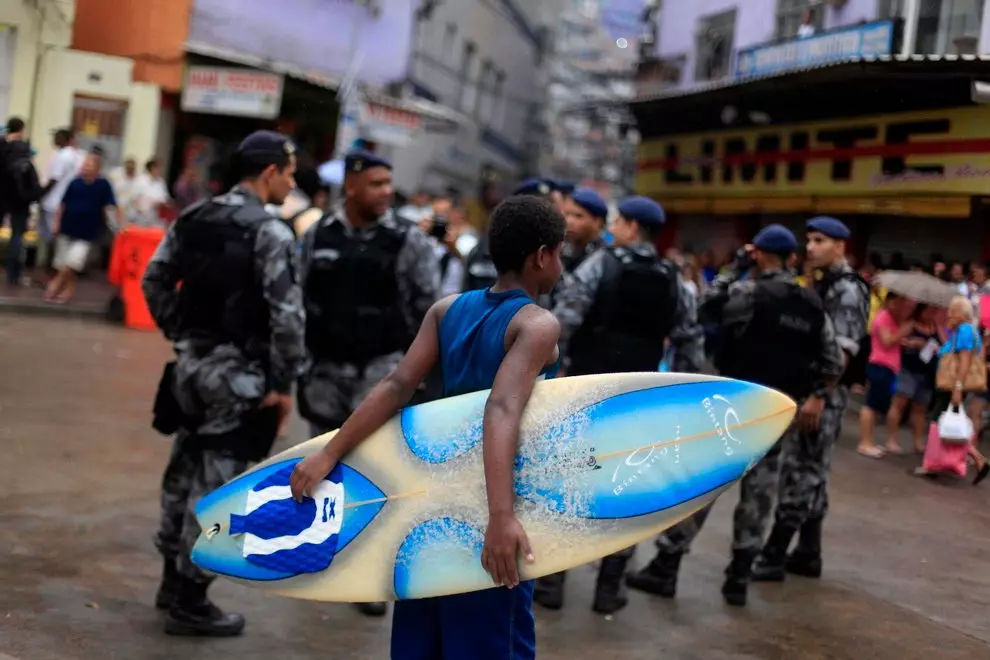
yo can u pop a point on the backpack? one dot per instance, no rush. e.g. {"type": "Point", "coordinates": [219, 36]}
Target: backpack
{"type": "Point", "coordinates": [26, 186]}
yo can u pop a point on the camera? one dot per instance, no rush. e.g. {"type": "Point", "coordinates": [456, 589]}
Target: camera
{"type": "Point", "coordinates": [438, 229]}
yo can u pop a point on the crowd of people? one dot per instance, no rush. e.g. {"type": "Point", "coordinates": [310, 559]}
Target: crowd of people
{"type": "Point", "coordinates": [73, 205]}
{"type": "Point", "coordinates": [342, 307]}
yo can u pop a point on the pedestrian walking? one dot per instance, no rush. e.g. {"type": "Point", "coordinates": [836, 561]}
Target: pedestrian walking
{"type": "Point", "coordinates": [368, 280]}
{"type": "Point", "coordinates": [616, 312]}
{"type": "Point", "coordinates": [773, 332]}
{"type": "Point", "coordinates": [807, 448]}
{"type": "Point", "coordinates": [19, 189]}
{"type": "Point", "coordinates": [237, 323]}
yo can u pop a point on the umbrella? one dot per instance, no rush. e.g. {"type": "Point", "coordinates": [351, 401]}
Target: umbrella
{"type": "Point", "coordinates": [921, 287]}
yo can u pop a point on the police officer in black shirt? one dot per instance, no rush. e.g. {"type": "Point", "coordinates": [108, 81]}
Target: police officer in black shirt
{"type": "Point", "coordinates": [775, 333]}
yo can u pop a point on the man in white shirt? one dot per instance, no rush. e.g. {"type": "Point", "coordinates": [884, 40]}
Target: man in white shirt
{"type": "Point", "coordinates": [124, 180]}
{"type": "Point", "coordinates": [150, 193]}
{"type": "Point", "coordinates": [63, 167]}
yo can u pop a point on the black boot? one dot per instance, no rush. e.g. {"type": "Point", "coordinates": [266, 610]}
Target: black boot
{"type": "Point", "coordinates": [610, 593]}
{"type": "Point", "coordinates": [806, 560]}
{"type": "Point", "coordinates": [169, 587]}
{"type": "Point", "coordinates": [769, 566]}
{"type": "Point", "coordinates": [659, 577]}
{"type": "Point", "coordinates": [192, 613]}
{"type": "Point", "coordinates": [372, 609]}
{"type": "Point", "coordinates": [737, 576]}
{"type": "Point", "coordinates": [549, 591]}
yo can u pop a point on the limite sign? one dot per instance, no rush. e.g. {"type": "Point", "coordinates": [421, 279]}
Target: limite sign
{"type": "Point", "coordinates": [233, 92]}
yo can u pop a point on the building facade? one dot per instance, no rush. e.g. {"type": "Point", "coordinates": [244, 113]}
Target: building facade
{"type": "Point", "coordinates": [762, 111]}
{"type": "Point", "coordinates": [484, 60]}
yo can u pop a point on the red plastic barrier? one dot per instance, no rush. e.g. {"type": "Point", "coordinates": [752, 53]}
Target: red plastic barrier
{"type": "Point", "coordinates": [132, 249]}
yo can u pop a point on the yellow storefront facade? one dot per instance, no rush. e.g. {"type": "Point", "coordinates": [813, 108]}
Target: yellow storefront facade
{"type": "Point", "coordinates": [910, 182]}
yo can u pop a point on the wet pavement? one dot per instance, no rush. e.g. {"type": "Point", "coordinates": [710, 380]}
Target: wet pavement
{"type": "Point", "coordinates": [907, 564]}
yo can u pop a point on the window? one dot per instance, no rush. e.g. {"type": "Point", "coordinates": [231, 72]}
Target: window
{"type": "Point", "coordinates": [468, 89]}
{"type": "Point", "coordinates": [714, 45]}
{"type": "Point", "coordinates": [483, 102]}
{"type": "Point", "coordinates": [791, 15]}
{"type": "Point", "coordinates": [890, 9]}
{"type": "Point", "coordinates": [497, 118]}
{"type": "Point", "coordinates": [949, 27]}
{"type": "Point", "coordinates": [449, 36]}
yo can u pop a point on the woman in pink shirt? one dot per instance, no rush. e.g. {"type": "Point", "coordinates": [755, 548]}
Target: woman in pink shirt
{"type": "Point", "coordinates": [890, 328]}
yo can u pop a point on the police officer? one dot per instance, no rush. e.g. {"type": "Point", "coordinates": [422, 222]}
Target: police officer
{"type": "Point", "coordinates": [775, 333]}
{"type": "Point", "coordinates": [807, 447]}
{"type": "Point", "coordinates": [479, 271]}
{"type": "Point", "coordinates": [615, 313]}
{"type": "Point", "coordinates": [237, 322]}
{"type": "Point", "coordinates": [368, 280]}
{"type": "Point", "coordinates": [586, 213]}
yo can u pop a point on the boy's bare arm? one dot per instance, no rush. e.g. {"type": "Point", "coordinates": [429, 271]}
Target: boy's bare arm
{"type": "Point", "coordinates": [381, 404]}
{"type": "Point", "coordinates": [534, 341]}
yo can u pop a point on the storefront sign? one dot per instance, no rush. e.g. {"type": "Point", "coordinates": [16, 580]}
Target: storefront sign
{"type": "Point", "coordinates": [944, 151]}
{"type": "Point", "coordinates": [869, 40]}
{"type": "Point", "coordinates": [234, 92]}
{"type": "Point", "coordinates": [389, 125]}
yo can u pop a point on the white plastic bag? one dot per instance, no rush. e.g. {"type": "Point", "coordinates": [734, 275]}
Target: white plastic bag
{"type": "Point", "coordinates": [955, 426]}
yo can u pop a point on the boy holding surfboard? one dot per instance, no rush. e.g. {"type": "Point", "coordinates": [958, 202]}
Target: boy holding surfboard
{"type": "Point", "coordinates": [497, 339]}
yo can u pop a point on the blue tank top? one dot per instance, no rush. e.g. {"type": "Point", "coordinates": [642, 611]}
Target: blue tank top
{"type": "Point", "coordinates": [472, 339]}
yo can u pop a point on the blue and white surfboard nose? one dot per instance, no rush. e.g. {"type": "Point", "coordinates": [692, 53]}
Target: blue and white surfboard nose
{"type": "Point", "coordinates": [254, 530]}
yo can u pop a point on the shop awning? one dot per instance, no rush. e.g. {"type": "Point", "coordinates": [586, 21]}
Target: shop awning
{"type": "Point", "coordinates": [935, 206]}
{"type": "Point", "coordinates": [857, 86]}
{"type": "Point", "coordinates": [437, 118]}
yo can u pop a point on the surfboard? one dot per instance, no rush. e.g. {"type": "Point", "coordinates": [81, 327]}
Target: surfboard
{"type": "Point", "coordinates": [604, 462]}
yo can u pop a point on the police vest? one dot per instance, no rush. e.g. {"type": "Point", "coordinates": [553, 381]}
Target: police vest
{"type": "Point", "coordinates": [479, 271]}
{"type": "Point", "coordinates": [780, 346]}
{"type": "Point", "coordinates": [353, 308]}
{"type": "Point", "coordinates": [221, 298]}
{"type": "Point", "coordinates": [631, 316]}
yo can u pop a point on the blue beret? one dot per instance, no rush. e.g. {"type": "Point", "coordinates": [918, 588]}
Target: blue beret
{"type": "Point", "coordinates": [359, 160]}
{"type": "Point", "coordinates": [533, 186]}
{"type": "Point", "coordinates": [776, 239]}
{"type": "Point", "coordinates": [591, 202]}
{"type": "Point", "coordinates": [642, 210]}
{"type": "Point", "coordinates": [561, 186]}
{"type": "Point", "coordinates": [834, 229]}
{"type": "Point", "coordinates": [265, 146]}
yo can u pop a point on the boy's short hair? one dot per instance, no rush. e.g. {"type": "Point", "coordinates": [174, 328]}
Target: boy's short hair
{"type": "Point", "coordinates": [520, 226]}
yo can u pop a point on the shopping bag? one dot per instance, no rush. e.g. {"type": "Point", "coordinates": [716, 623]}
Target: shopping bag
{"type": "Point", "coordinates": [943, 456]}
{"type": "Point", "coordinates": [955, 426]}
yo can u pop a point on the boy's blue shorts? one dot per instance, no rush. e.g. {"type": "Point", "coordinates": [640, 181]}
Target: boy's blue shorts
{"type": "Point", "coordinates": [481, 625]}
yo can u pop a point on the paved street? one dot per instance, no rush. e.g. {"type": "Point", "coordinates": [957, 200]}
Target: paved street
{"type": "Point", "coordinates": [907, 572]}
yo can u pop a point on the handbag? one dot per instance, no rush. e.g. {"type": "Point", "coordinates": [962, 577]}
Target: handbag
{"type": "Point", "coordinates": [944, 456]}
{"type": "Point", "coordinates": [948, 367]}
{"type": "Point", "coordinates": [955, 426]}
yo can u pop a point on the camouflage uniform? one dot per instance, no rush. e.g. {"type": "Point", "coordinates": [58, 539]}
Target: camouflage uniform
{"type": "Point", "coordinates": [332, 390]}
{"type": "Point", "coordinates": [807, 457]}
{"type": "Point", "coordinates": [573, 303]}
{"type": "Point", "coordinates": [578, 294]}
{"type": "Point", "coordinates": [220, 385]}
{"type": "Point", "coordinates": [732, 302]}
{"type": "Point", "coordinates": [759, 484]}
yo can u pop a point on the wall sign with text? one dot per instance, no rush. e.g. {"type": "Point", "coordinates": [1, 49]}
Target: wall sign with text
{"type": "Point", "coordinates": [233, 92]}
{"type": "Point", "coordinates": [945, 151]}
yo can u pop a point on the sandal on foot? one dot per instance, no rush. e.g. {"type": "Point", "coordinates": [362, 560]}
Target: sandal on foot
{"type": "Point", "coordinates": [982, 473]}
{"type": "Point", "coordinates": [871, 452]}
